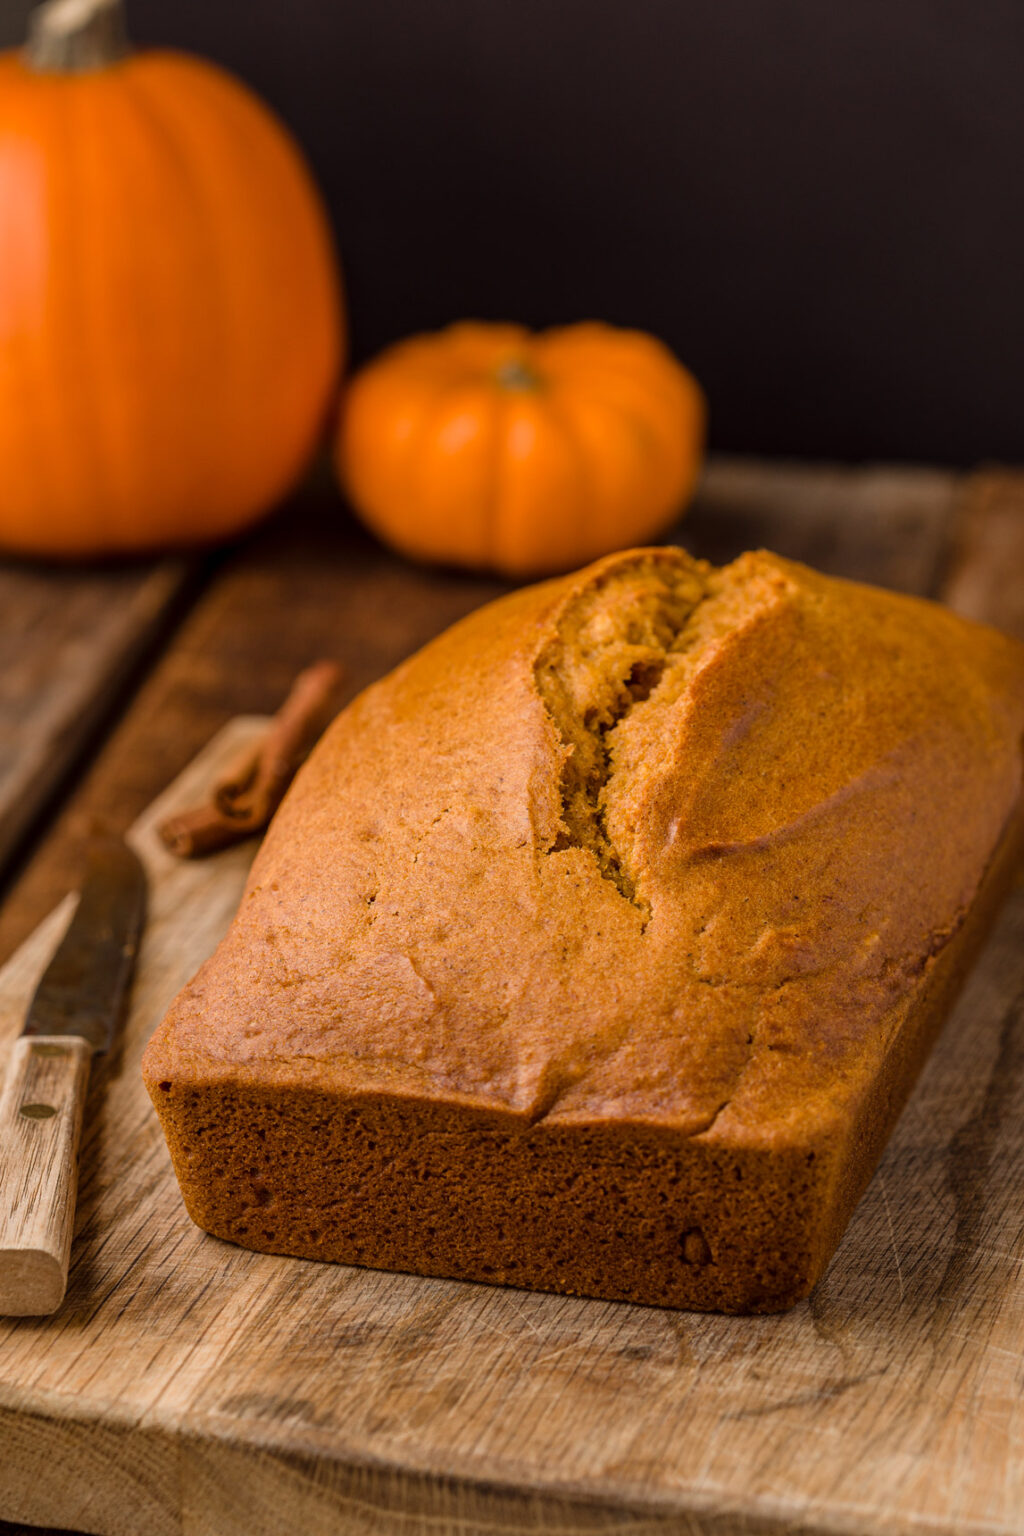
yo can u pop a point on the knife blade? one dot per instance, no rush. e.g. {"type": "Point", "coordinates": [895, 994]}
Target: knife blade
{"type": "Point", "coordinates": [75, 1012]}
{"type": "Point", "coordinates": [83, 989]}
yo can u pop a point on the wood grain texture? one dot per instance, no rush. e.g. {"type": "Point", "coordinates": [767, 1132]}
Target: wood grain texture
{"type": "Point", "coordinates": [40, 1125]}
{"type": "Point", "coordinates": [985, 571]}
{"type": "Point", "coordinates": [886, 524]}
{"type": "Point", "coordinates": [310, 583]}
{"type": "Point", "coordinates": [69, 641]}
{"type": "Point", "coordinates": [190, 1387]}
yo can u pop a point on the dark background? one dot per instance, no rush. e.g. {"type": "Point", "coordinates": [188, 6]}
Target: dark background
{"type": "Point", "coordinates": [820, 206]}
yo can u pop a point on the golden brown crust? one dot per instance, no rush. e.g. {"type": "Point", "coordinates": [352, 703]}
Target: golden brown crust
{"type": "Point", "coordinates": [655, 856]}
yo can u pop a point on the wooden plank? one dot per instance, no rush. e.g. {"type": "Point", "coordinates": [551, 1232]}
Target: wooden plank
{"type": "Point", "coordinates": [985, 574]}
{"type": "Point", "coordinates": [192, 1388]}
{"type": "Point", "coordinates": [310, 583]}
{"type": "Point", "coordinates": [70, 639]}
{"type": "Point", "coordinates": [887, 524]}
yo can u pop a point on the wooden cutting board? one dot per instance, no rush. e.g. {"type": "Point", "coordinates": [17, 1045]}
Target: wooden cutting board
{"type": "Point", "coordinates": [187, 1386]}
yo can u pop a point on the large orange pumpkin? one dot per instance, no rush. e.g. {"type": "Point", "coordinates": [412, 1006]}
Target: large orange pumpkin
{"type": "Point", "coordinates": [488, 446]}
{"type": "Point", "coordinates": [170, 312]}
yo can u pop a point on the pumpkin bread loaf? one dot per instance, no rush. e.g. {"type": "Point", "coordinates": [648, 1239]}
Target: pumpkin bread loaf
{"type": "Point", "coordinates": [597, 947]}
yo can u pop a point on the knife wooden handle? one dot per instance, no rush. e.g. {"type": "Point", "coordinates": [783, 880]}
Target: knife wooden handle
{"type": "Point", "coordinates": [40, 1127]}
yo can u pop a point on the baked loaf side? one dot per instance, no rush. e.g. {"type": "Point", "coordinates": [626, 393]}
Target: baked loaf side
{"type": "Point", "coordinates": [596, 948]}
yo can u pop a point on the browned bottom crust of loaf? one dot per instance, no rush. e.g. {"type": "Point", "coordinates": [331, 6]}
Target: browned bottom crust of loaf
{"type": "Point", "coordinates": [629, 1212]}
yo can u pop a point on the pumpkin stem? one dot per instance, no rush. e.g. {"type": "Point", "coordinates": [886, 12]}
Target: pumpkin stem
{"type": "Point", "coordinates": [513, 373]}
{"type": "Point", "coordinates": [76, 35]}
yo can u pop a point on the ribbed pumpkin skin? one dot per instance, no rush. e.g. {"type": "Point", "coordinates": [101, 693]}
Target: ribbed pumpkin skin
{"type": "Point", "coordinates": [170, 312]}
{"type": "Point", "coordinates": [596, 448]}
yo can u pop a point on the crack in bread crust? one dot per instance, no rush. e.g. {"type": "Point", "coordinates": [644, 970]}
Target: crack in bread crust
{"type": "Point", "coordinates": [609, 653]}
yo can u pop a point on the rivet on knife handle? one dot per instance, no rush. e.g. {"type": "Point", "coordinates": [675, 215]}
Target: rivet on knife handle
{"type": "Point", "coordinates": [40, 1128]}
{"type": "Point", "coordinates": [75, 1013]}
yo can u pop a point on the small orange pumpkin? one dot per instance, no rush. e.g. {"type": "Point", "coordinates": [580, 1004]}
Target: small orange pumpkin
{"type": "Point", "coordinates": [488, 446]}
{"type": "Point", "coordinates": [170, 311]}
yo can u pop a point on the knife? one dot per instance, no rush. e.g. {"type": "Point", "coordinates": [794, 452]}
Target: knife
{"type": "Point", "coordinates": [74, 1015]}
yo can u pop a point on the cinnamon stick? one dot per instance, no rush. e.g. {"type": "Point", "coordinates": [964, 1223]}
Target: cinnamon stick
{"type": "Point", "coordinates": [195, 833]}
{"type": "Point", "coordinates": [247, 795]}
